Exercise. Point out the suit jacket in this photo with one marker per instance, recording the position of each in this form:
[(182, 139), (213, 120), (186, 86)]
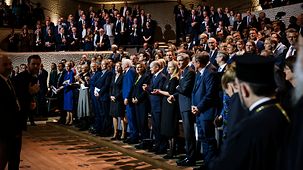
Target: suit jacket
[(212, 58), (116, 87), (193, 29), (103, 83), (60, 46), (53, 78), (128, 81), (22, 82), (138, 91), (42, 77), (155, 99), (260, 45), (238, 26), (184, 90), (75, 46), (93, 78), (122, 9), (60, 78), (205, 93), (10, 118), (106, 42)]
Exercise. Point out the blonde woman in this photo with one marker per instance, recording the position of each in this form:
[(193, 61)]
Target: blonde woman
[(170, 111)]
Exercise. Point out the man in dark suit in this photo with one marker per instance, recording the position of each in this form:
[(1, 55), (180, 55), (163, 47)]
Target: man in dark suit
[(204, 42), (102, 42), (254, 148), (121, 32), (124, 9), (11, 119), (42, 77), (253, 35), (73, 40), (95, 74), (60, 97), (61, 40), (193, 25), (156, 82), (213, 51), (180, 19), (103, 123), (128, 81), (184, 91), (205, 99), (238, 24), (27, 88)]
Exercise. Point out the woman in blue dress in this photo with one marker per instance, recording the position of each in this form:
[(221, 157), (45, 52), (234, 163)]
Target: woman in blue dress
[(68, 93)]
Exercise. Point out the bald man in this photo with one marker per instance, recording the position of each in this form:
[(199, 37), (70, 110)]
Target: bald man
[(10, 119)]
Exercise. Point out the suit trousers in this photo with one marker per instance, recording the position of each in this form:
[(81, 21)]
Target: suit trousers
[(156, 127), (10, 149), (206, 136), (189, 134), (142, 120), (132, 124)]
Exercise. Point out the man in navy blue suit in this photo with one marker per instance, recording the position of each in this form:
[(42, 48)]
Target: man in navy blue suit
[(183, 94), (213, 50), (204, 100), (156, 83), (253, 35), (128, 81), (103, 123)]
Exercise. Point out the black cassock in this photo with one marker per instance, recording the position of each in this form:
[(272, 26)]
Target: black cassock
[(256, 142), (294, 147)]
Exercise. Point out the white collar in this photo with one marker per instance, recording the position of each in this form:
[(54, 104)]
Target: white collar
[(155, 75), (222, 66), (258, 102)]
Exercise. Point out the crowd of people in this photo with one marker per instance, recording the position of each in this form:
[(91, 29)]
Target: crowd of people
[(87, 30), (233, 80)]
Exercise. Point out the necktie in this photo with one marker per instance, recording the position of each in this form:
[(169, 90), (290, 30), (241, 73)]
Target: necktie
[(290, 51)]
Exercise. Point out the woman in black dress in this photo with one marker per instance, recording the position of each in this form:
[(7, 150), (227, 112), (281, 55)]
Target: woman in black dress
[(170, 111), (140, 100), (116, 104)]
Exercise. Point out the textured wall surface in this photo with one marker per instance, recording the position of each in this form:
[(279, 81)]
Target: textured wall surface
[(52, 57)]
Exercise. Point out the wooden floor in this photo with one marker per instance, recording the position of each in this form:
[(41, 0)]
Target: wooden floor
[(46, 148)]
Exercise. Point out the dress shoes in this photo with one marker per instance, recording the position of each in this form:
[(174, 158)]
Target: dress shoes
[(131, 141), (141, 146), (126, 140), (153, 149), (186, 162), (114, 138), (160, 151)]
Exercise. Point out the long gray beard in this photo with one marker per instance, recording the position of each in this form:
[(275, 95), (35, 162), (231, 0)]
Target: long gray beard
[(298, 92)]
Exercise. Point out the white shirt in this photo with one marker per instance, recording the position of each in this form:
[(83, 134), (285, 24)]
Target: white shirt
[(221, 67), (258, 102), (290, 52), (108, 30)]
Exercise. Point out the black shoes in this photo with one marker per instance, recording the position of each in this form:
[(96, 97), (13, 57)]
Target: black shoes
[(186, 162), (131, 141)]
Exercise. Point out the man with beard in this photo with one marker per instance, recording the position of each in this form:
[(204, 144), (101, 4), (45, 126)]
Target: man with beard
[(10, 119), (257, 141)]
